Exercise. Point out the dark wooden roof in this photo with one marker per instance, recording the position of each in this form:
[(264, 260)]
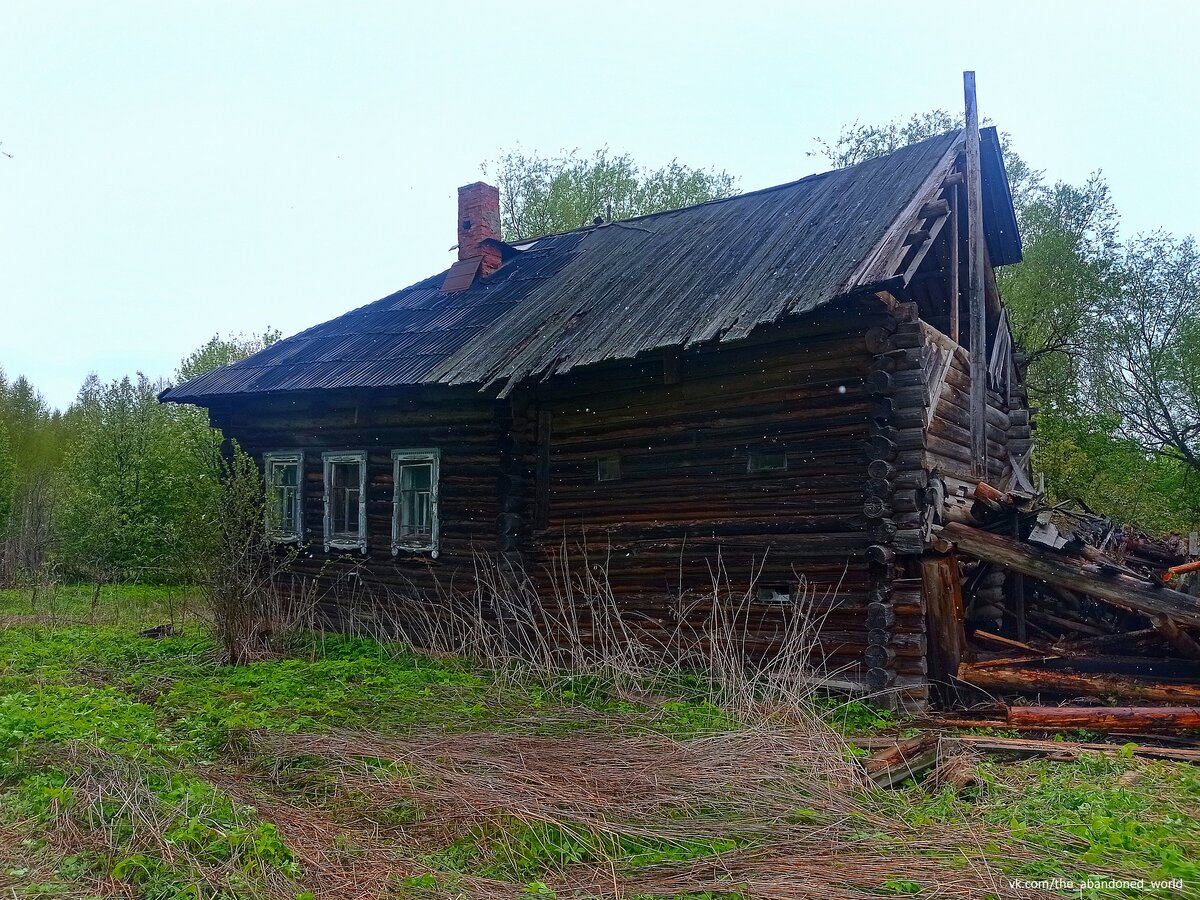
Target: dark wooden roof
[(712, 272)]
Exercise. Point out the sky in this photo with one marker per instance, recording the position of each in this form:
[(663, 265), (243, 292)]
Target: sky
[(189, 168)]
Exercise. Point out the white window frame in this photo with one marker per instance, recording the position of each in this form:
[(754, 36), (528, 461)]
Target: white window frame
[(328, 460), (433, 456), (274, 458)]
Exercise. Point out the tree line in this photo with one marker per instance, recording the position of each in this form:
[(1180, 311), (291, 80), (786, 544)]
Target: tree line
[(116, 487), (120, 486)]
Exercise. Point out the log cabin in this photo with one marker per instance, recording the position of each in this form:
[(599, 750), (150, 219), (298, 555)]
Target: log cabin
[(790, 386)]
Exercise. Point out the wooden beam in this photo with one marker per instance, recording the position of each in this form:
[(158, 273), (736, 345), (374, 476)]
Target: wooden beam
[(977, 284), (1115, 588), (1106, 718), (941, 585), (955, 289), (934, 208), (1070, 749), (1026, 680), (1182, 642)]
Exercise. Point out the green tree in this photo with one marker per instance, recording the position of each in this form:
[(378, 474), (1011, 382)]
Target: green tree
[(542, 195), (218, 351), (136, 480), (1146, 363), (7, 482), (1055, 295)]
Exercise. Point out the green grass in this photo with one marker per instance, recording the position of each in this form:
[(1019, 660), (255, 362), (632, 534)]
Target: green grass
[(92, 715)]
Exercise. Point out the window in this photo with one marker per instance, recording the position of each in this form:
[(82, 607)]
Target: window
[(774, 593), (608, 469), (284, 475), (415, 508), (767, 461), (345, 500)]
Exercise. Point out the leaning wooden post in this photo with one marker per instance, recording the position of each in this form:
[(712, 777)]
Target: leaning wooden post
[(977, 260)]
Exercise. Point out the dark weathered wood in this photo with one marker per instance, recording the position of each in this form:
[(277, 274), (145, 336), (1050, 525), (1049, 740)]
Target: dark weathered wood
[(976, 299), (942, 590), (1118, 589), (1028, 680), (1183, 643), (955, 298)]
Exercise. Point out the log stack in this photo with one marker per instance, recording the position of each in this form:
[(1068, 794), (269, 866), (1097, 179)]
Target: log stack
[(1091, 613)]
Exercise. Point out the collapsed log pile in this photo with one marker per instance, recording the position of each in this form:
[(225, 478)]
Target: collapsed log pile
[(1064, 604)]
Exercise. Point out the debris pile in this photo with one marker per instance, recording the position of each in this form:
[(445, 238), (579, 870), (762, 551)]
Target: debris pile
[(1065, 604)]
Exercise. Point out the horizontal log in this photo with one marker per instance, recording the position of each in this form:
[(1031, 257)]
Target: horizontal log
[(1026, 680), (1117, 589), (1106, 718)]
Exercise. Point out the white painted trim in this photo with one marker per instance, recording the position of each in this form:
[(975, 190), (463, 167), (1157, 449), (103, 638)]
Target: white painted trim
[(285, 457), (328, 459), (433, 456)]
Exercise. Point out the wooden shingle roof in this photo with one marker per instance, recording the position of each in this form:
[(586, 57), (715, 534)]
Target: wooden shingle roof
[(706, 273)]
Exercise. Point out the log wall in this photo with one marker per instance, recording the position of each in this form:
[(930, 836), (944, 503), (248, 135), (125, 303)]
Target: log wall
[(864, 401), (468, 430), (687, 505)]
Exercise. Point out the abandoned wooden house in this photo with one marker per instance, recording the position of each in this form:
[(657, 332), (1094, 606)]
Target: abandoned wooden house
[(798, 380)]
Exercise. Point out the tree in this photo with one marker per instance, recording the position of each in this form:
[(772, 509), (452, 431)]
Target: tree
[(1146, 364), (548, 195), (218, 351), (856, 143), (136, 481), (7, 482), (1055, 294)]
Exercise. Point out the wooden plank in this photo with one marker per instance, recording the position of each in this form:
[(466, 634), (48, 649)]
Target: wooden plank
[(542, 477), (955, 289), (1069, 748), (976, 287), (941, 586)]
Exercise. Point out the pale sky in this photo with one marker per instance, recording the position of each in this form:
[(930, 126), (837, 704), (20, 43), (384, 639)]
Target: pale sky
[(186, 168)]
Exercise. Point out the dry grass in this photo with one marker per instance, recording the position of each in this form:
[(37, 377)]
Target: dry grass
[(804, 818)]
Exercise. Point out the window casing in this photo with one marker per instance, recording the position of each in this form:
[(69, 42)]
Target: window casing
[(283, 472), (767, 461), (415, 474), (345, 500), (608, 468)]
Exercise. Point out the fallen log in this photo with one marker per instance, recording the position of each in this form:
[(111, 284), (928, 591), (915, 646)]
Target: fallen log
[(1105, 718), (1019, 680), (1116, 588)]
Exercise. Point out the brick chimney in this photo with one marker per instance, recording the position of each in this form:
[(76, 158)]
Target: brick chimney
[(478, 220)]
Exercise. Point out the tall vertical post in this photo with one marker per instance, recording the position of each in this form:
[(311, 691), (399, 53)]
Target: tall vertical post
[(977, 258), (955, 277)]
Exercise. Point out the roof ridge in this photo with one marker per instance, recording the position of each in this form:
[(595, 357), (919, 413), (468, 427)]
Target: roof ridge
[(754, 193)]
